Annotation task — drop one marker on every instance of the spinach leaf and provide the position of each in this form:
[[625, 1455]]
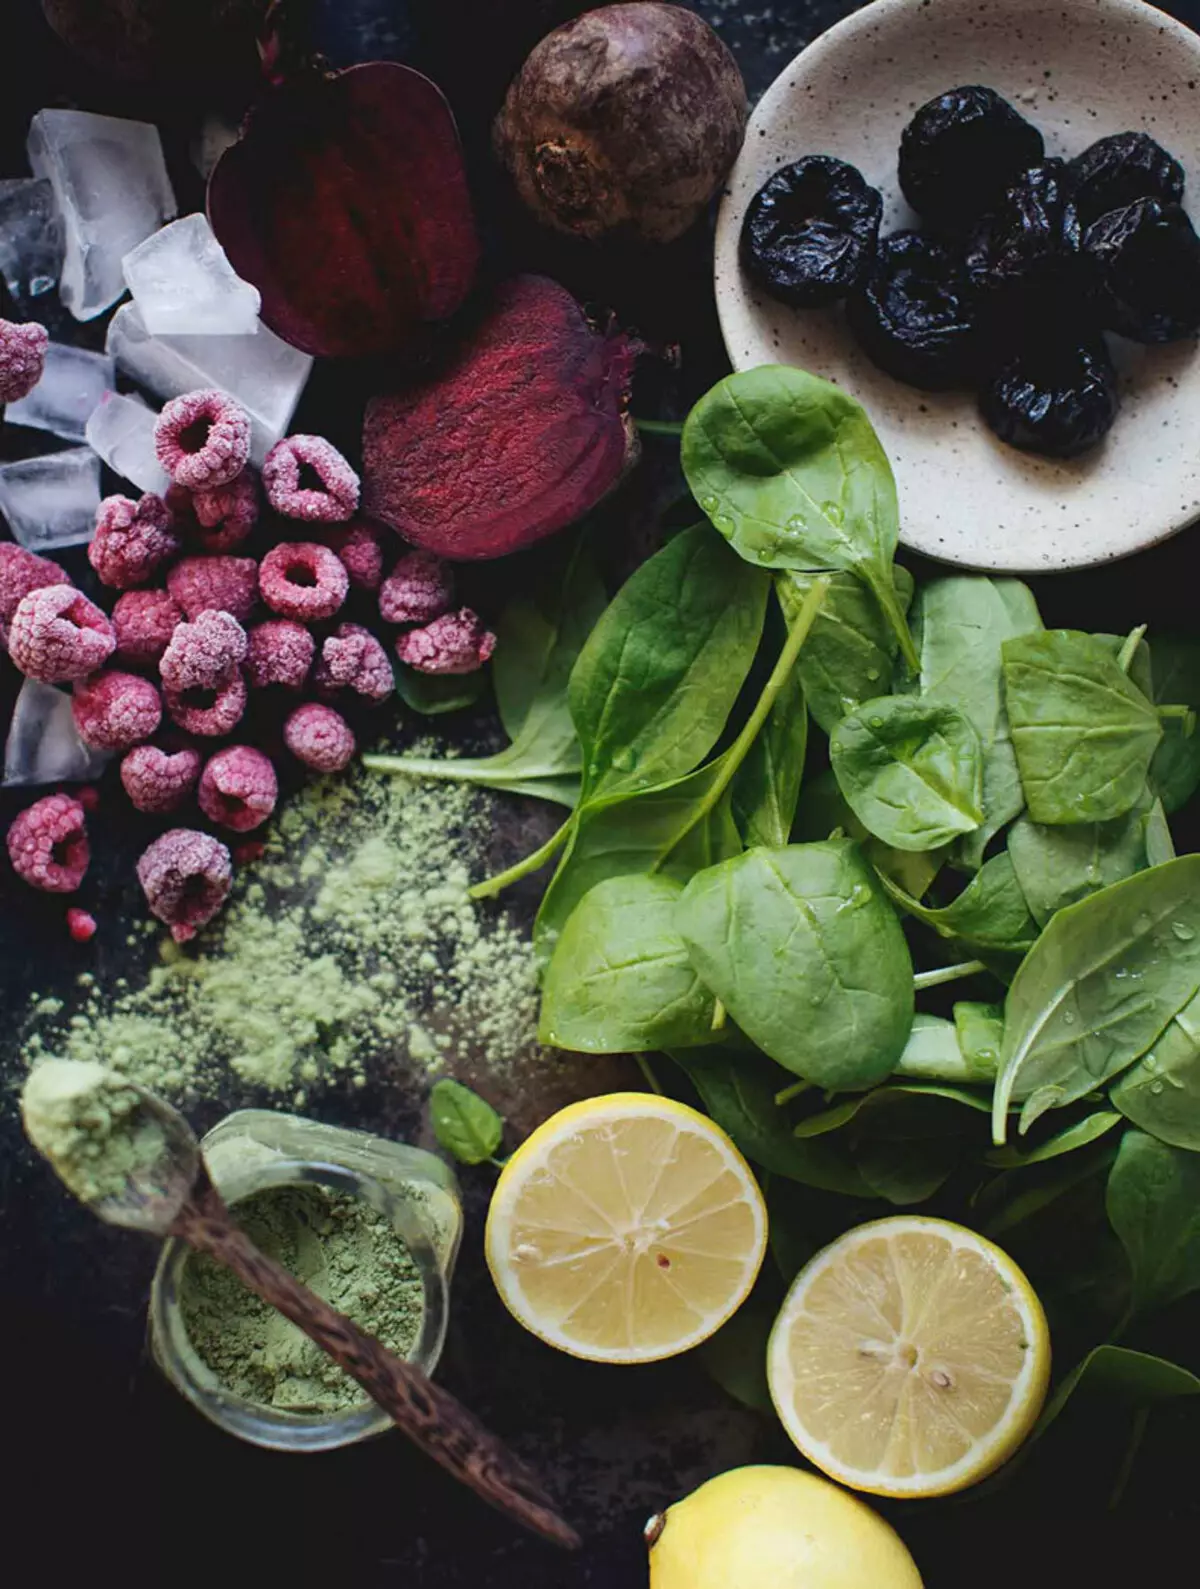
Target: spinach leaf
[[738, 1091], [1098, 987], [1161, 1093], [959, 624], [736, 1356], [1160, 846], [842, 1114], [823, 809], [907, 1172], [850, 654], [1153, 1202], [464, 1124], [906, 1139], [1084, 734], [934, 1053], [766, 787], [911, 772], [1175, 770], [660, 672], [807, 956], [980, 1029], [789, 469], [1080, 1135], [990, 913], [1135, 1379], [435, 694], [619, 979], [1058, 866]]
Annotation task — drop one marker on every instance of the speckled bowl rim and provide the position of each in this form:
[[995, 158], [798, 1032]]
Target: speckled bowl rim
[[825, 53]]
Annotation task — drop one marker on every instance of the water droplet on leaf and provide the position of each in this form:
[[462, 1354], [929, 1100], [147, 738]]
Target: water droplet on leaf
[[1182, 931], [833, 512]]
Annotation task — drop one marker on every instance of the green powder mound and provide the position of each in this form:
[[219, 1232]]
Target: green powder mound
[[351, 946], [91, 1126], [340, 1247]]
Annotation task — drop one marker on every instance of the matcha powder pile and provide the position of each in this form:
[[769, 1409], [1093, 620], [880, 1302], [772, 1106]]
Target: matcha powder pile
[[350, 950]]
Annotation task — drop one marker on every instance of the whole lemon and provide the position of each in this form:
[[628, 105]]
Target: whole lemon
[[775, 1528]]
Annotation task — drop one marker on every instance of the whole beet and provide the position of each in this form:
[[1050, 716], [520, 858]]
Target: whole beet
[[161, 40], [624, 121]]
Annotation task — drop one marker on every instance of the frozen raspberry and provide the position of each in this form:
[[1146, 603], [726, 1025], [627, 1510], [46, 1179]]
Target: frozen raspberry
[[21, 572], [144, 621], [352, 659], [419, 589], [81, 924], [361, 548], [319, 737], [457, 642], [249, 851], [132, 540], [186, 877], [238, 788], [56, 634], [48, 845], [157, 781], [113, 711], [230, 584], [302, 580], [203, 440], [289, 467], [280, 652], [204, 655], [208, 713], [226, 514], [22, 359]]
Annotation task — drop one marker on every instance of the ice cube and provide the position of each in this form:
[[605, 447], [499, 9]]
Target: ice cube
[[112, 188], [121, 430], [31, 239], [51, 501], [183, 284], [43, 743], [265, 374], [73, 383]]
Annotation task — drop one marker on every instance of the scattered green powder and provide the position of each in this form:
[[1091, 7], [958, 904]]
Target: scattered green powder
[[340, 1247], [352, 946], [91, 1125]]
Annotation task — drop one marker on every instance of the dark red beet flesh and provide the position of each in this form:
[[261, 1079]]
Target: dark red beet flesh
[[168, 41], [345, 203], [517, 437]]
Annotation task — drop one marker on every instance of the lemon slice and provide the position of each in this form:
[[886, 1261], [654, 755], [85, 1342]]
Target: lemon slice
[[625, 1229], [910, 1358]]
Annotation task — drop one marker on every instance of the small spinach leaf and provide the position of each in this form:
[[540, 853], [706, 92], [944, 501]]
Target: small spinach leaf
[[990, 913], [934, 1053], [789, 469], [434, 694], [660, 672], [1161, 1093], [823, 809], [842, 1114], [619, 979], [807, 956], [980, 1029], [850, 654], [1083, 732], [1098, 987], [465, 1124], [911, 772], [1153, 1202], [736, 1356], [766, 787], [1160, 846], [1058, 866], [1135, 1379], [1175, 770], [1080, 1135]]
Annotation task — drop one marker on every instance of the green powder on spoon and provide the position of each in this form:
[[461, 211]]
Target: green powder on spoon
[[91, 1125]]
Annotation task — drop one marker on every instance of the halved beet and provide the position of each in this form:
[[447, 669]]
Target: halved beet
[[518, 436], [345, 202]]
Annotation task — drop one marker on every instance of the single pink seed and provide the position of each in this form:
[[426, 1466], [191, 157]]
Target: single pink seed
[[286, 475], [48, 845], [319, 737], [238, 788], [186, 877], [57, 634], [22, 359], [81, 925], [203, 439]]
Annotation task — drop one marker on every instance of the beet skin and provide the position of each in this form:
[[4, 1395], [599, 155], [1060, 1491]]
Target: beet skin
[[623, 122], [522, 433], [345, 203]]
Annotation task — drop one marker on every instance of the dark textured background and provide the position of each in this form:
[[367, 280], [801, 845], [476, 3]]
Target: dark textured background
[[107, 1469]]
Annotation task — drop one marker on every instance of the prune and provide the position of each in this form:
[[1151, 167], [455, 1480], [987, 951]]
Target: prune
[[960, 152], [1148, 258], [1031, 240], [1057, 397], [810, 231], [915, 317], [1115, 171]]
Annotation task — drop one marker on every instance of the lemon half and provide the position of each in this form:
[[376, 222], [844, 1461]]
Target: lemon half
[[625, 1229], [911, 1358]]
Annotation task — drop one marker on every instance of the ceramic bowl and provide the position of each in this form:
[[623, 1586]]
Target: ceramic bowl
[[1079, 69]]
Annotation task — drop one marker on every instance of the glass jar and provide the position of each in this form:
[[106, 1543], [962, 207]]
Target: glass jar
[[254, 1149]]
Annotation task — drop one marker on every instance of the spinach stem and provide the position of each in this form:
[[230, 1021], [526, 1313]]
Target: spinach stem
[[492, 886], [740, 749], [884, 590], [651, 1079], [659, 427], [719, 1014], [933, 979], [1137, 1433], [1129, 649], [1176, 714], [466, 770], [497, 1163], [786, 1094]]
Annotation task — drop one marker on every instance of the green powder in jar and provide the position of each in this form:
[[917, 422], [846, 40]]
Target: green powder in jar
[[341, 1248]]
